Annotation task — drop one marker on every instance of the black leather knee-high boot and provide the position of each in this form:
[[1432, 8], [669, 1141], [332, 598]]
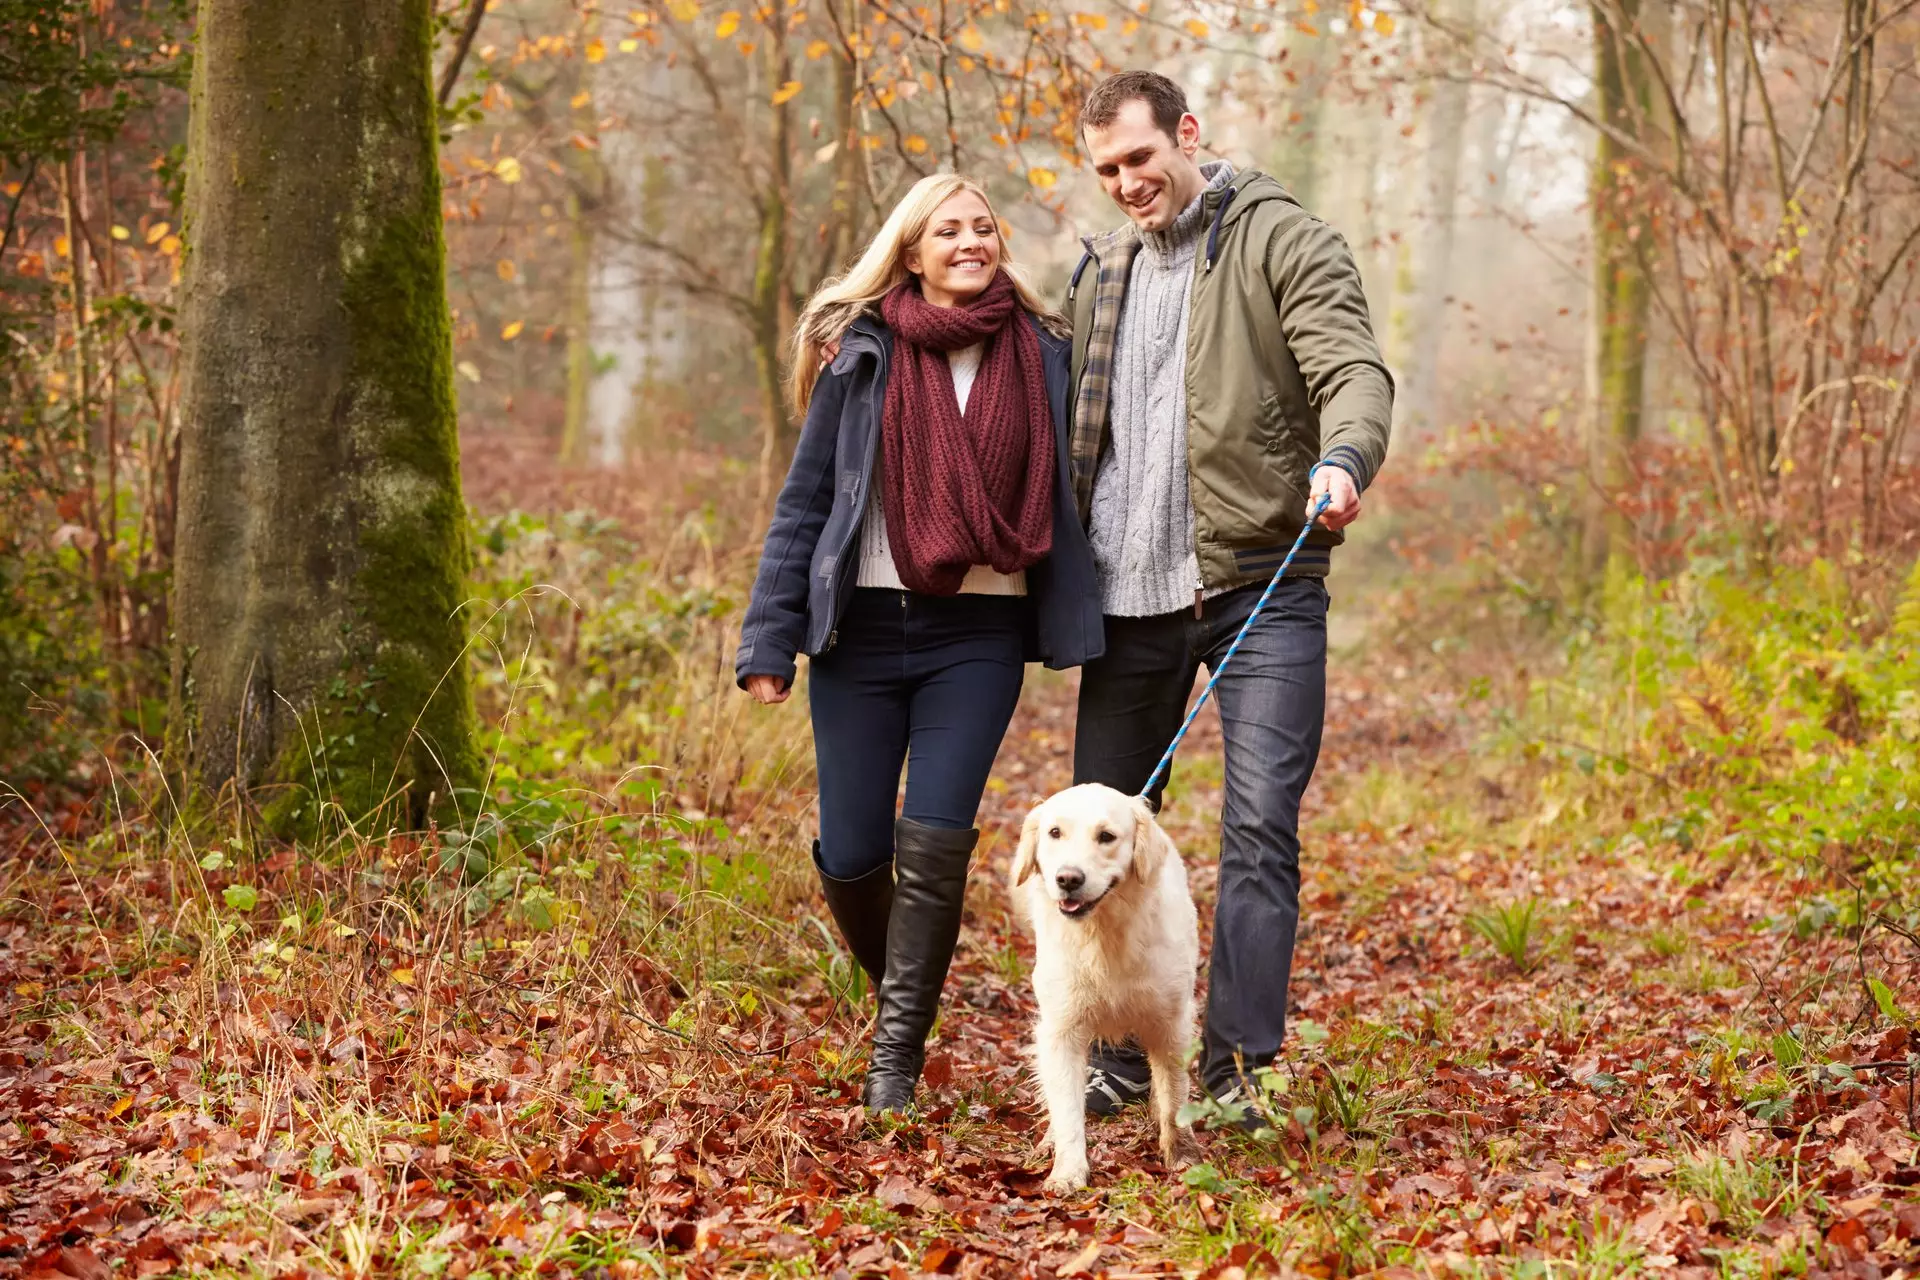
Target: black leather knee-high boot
[[861, 907], [930, 885]]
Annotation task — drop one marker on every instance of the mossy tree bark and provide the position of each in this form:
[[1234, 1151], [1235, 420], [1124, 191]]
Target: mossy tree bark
[[580, 358], [322, 539], [1621, 299], [770, 303], [587, 188]]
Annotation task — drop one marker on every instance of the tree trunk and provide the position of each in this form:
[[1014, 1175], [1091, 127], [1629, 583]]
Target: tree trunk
[[580, 359], [322, 544], [1497, 143], [587, 183], [1400, 207], [776, 444], [1620, 303], [770, 284], [1294, 157], [848, 160], [1434, 267], [663, 324], [619, 313], [1352, 196]]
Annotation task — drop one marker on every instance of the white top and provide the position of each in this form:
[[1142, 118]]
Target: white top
[[876, 553]]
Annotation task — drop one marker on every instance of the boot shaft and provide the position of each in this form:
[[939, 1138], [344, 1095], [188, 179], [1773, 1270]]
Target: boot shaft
[[862, 908], [930, 887]]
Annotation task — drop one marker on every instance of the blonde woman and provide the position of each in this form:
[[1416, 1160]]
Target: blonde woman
[[924, 547]]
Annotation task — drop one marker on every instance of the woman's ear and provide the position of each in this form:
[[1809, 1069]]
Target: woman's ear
[[1151, 845], [1026, 859], [913, 259]]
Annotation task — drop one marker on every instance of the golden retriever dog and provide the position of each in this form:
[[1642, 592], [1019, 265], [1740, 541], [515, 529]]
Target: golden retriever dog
[[1116, 947]]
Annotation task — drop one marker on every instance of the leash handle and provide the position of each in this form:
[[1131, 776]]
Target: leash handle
[[1166, 758]]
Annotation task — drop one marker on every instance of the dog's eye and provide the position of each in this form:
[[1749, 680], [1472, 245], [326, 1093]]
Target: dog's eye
[[1106, 837], [1053, 833]]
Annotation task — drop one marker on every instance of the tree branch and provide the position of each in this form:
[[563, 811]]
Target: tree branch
[[694, 277], [1776, 145], [450, 74], [1837, 63], [13, 206]]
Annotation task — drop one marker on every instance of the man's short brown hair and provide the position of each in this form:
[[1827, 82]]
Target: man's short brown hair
[[1167, 100]]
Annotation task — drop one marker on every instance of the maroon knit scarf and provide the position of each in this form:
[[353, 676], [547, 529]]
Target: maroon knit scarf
[[969, 489]]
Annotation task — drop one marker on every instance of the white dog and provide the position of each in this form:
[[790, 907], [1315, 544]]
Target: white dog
[[1116, 946]]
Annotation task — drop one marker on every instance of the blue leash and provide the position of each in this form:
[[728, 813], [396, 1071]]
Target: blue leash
[[1160, 769]]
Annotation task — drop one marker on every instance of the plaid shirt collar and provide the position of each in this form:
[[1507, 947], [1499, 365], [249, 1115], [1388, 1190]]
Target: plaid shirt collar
[[1113, 253]]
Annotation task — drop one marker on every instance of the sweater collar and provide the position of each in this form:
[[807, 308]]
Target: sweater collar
[[1184, 232]]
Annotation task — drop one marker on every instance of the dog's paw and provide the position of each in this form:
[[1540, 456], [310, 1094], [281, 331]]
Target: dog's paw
[[1064, 1180], [1180, 1149]]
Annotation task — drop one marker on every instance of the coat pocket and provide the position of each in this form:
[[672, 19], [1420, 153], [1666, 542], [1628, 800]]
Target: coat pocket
[[1282, 451]]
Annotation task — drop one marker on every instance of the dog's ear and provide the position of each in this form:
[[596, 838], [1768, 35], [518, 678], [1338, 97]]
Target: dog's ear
[[1026, 858], [1151, 845]]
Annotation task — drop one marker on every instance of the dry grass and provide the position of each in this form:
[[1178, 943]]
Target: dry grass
[[601, 1029]]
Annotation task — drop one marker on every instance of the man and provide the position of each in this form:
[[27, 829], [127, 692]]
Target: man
[[1226, 377]]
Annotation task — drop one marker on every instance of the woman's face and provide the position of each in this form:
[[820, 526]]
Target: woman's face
[[959, 252]]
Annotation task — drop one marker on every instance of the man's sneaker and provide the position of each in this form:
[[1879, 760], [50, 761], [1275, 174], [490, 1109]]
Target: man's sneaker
[[1237, 1100], [1113, 1085]]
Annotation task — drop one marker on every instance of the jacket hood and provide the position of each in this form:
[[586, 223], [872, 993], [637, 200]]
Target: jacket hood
[[1251, 187]]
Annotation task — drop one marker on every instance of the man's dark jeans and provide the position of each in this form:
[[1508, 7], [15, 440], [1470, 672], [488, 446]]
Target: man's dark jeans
[[1272, 700]]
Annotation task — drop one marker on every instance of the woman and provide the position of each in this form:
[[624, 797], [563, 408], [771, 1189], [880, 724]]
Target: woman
[[925, 544]]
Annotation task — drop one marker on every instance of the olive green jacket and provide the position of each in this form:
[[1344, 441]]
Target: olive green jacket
[[1282, 374]]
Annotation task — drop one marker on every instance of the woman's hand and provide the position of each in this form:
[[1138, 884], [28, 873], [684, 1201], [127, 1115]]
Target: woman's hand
[[767, 690]]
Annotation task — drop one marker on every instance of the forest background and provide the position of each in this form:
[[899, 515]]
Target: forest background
[[486, 943]]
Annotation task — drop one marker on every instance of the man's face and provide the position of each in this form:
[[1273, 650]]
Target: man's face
[[1150, 176]]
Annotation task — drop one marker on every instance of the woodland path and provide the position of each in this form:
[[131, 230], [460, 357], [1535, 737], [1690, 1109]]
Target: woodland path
[[1448, 1112]]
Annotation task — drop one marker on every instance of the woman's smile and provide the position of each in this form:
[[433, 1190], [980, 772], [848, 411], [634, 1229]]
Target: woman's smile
[[957, 255]]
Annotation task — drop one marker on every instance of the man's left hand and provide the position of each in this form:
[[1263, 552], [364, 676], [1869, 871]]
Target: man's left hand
[[1336, 483]]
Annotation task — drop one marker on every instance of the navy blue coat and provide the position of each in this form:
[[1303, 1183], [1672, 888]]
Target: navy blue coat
[[808, 562]]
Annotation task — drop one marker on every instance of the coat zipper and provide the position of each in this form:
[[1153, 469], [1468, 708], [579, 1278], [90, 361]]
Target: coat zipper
[[1186, 374]]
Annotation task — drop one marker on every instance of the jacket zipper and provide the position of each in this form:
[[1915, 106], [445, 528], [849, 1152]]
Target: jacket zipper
[[1203, 267]]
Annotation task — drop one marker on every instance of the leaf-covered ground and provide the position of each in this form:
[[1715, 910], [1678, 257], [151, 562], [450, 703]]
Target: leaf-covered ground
[[1518, 1048], [387, 1102]]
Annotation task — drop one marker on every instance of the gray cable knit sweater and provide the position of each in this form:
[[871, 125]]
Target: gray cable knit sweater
[[1142, 513]]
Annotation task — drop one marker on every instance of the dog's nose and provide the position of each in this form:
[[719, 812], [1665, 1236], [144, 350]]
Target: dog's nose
[[1069, 879]]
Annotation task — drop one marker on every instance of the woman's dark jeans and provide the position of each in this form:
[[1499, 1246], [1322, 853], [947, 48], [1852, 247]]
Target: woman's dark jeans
[[928, 681]]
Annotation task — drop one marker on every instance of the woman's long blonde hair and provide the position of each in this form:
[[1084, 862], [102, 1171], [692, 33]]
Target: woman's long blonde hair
[[882, 265]]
